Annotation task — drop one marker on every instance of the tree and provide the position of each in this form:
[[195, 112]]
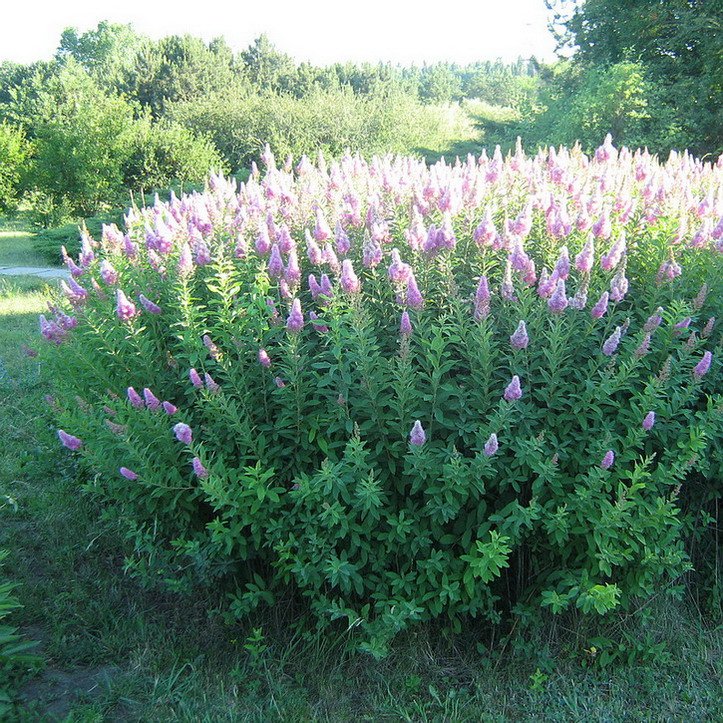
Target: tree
[[265, 66], [162, 153], [178, 69], [440, 84], [81, 137], [14, 152], [678, 42], [104, 52]]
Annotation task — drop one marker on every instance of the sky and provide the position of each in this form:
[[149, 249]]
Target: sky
[[318, 31]]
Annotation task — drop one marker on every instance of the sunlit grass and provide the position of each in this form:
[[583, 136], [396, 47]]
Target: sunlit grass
[[23, 295], [16, 249]]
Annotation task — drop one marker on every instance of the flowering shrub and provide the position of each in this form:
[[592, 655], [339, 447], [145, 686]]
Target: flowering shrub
[[406, 391]]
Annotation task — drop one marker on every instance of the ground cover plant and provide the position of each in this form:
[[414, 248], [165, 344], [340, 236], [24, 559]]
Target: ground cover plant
[[485, 389]]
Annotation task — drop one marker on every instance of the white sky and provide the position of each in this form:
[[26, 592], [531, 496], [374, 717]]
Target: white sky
[[320, 31]]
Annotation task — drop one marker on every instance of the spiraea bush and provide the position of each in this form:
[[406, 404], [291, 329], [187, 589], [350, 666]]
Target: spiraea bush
[[406, 392]]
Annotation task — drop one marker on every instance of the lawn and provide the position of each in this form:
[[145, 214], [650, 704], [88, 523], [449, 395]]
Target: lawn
[[16, 250], [114, 651], [16, 244]]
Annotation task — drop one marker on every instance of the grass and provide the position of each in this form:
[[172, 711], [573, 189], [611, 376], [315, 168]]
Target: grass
[[16, 250], [470, 127], [16, 244], [115, 651]]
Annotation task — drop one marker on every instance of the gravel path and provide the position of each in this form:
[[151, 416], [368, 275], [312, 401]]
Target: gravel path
[[39, 271]]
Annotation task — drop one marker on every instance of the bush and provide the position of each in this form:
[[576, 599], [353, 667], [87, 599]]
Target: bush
[[48, 242], [89, 147], [164, 153], [81, 135], [327, 121], [579, 104], [494, 411]]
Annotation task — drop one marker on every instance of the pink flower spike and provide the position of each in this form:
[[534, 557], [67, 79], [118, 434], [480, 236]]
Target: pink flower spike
[[654, 320], [649, 421], [264, 358], [607, 460], [405, 325], [321, 328], [195, 379], [128, 473], [702, 367], [584, 260], [69, 441], [292, 274], [557, 303], [483, 291], [148, 305], [349, 280], [513, 391], [108, 273], [398, 271], [183, 433], [276, 264], [262, 243], [314, 286], [520, 340], [612, 342], [321, 229], [125, 309], [682, 325], [414, 298], [491, 445], [169, 408], [185, 260], [199, 470], [507, 288], [280, 383], [295, 320], [313, 250], [211, 385], [644, 346], [151, 399], [417, 436], [134, 398]]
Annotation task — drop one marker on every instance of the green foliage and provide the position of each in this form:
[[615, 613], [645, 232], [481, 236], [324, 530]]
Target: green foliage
[[579, 104], [164, 153], [678, 45], [81, 137], [48, 242], [88, 147], [14, 152], [15, 656], [147, 656], [327, 121], [177, 69], [440, 84], [106, 52], [265, 67]]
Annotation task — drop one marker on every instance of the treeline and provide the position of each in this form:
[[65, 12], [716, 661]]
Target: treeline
[[115, 110]]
